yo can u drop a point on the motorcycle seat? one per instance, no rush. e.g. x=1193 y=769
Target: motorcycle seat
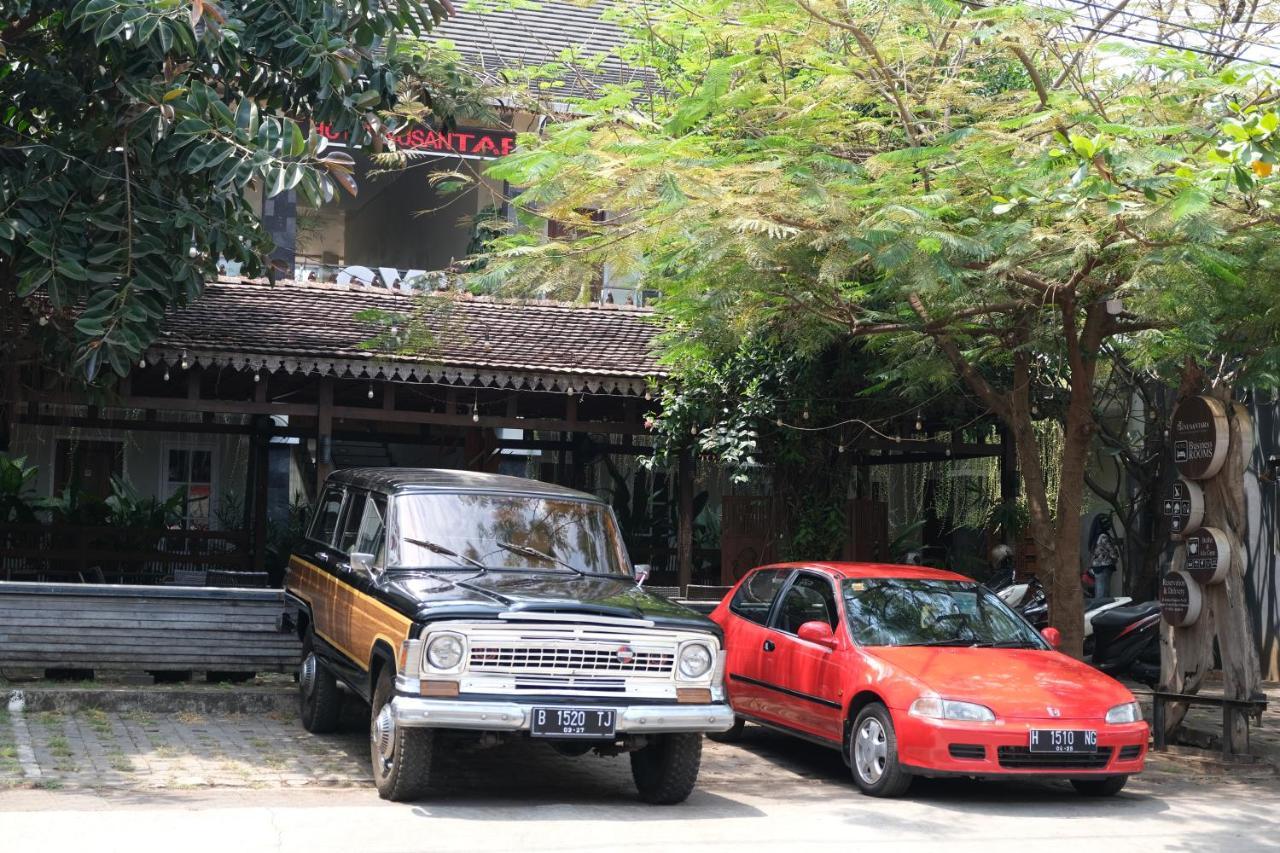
x=1119 y=616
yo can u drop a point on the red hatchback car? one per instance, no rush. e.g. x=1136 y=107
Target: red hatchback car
x=910 y=671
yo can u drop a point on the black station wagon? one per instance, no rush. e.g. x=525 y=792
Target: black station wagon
x=474 y=605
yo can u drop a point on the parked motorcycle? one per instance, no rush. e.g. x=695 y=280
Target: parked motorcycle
x=1126 y=641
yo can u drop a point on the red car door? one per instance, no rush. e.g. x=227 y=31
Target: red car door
x=807 y=677
x=745 y=636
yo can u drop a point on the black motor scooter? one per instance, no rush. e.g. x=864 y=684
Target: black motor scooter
x=1126 y=641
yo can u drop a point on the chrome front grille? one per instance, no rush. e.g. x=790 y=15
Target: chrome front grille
x=564 y=658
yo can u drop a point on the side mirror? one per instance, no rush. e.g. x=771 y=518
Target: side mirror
x=642 y=573
x=819 y=633
x=1053 y=637
x=363 y=563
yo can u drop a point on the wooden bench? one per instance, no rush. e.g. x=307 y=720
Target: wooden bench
x=1231 y=709
x=144 y=628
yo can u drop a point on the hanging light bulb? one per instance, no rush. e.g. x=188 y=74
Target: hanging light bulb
x=370 y=390
x=919 y=422
x=1035 y=410
x=840 y=449
x=166 y=374
x=693 y=430
x=184 y=360
x=805 y=413
x=142 y=362
x=648 y=395
x=475 y=417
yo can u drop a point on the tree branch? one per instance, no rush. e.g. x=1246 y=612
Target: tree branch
x=996 y=402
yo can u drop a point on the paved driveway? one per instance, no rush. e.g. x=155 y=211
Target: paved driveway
x=246 y=783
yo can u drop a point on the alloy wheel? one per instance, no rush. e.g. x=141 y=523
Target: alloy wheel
x=870 y=750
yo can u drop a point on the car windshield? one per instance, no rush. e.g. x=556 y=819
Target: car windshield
x=513 y=532
x=910 y=612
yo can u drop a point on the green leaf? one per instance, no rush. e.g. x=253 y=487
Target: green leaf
x=1190 y=200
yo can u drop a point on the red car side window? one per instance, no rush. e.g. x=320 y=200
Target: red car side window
x=754 y=598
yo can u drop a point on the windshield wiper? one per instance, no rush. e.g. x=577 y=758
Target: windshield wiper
x=1014 y=644
x=435 y=548
x=528 y=551
x=953 y=641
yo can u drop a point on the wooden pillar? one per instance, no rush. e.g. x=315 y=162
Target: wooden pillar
x=261 y=471
x=684 y=531
x=324 y=434
x=1008 y=468
x=10 y=400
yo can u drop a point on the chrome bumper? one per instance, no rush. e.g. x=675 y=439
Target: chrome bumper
x=514 y=716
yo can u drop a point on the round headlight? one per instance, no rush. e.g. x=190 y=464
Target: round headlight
x=695 y=660
x=444 y=652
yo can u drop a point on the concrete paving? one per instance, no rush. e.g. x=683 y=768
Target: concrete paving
x=124 y=778
x=771 y=792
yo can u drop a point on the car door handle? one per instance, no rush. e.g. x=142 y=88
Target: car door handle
x=769 y=646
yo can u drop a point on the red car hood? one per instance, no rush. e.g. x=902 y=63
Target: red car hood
x=1014 y=683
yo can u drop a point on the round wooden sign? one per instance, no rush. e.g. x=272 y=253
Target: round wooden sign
x=1180 y=599
x=1183 y=505
x=1200 y=437
x=1208 y=555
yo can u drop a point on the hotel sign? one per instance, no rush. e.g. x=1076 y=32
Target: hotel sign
x=1200 y=437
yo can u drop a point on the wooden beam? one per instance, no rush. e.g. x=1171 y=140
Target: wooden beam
x=324 y=433
x=684 y=530
x=261 y=470
x=356 y=413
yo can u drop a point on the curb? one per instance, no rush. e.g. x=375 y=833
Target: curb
x=160 y=700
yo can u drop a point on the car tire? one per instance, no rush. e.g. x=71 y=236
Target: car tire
x=319 y=699
x=666 y=770
x=1108 y=786
x=733 y=735
x=873 y=754
x=402 y=758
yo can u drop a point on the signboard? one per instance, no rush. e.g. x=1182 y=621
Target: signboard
x=1200 y=437
x=1208 y=555
x=467 y=142
x=1183 y=505
x=1180 y=599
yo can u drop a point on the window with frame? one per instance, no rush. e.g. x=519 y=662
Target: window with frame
x=810 y=599
x=369 y=538
x=325 y=522
x=190 y=470
x=754 y=598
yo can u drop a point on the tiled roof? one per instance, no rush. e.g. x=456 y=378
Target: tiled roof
x=492 y=39
x=307 y=326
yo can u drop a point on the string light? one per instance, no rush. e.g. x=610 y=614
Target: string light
x=370 y=390
x=166 y=374
x=475 y=416
x=184 y=360
x=919 y=422
x=805 y=414
x=142 y=362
